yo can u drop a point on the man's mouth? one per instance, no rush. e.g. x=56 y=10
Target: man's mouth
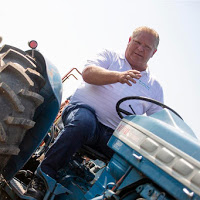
x=138 y=54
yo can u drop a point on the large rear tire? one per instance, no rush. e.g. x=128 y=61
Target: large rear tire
x=20 y=83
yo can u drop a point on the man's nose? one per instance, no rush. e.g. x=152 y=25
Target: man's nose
x=141 y=48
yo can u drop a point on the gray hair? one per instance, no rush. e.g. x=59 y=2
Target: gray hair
x=148 y=30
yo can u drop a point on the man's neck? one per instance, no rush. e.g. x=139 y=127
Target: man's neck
x=139 y=68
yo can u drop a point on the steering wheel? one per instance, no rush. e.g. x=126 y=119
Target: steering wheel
x=120 y=110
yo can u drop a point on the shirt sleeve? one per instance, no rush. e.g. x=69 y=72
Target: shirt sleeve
x=101 y=59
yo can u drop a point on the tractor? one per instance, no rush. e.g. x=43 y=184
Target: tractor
x=156 y=156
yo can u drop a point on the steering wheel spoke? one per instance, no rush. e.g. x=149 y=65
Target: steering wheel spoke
x=125 y=112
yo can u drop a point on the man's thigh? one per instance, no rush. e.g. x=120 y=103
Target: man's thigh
x=82 y=121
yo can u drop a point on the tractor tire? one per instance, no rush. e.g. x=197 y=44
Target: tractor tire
x=20 y=83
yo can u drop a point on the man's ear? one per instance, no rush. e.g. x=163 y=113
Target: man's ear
x=154 y=52
x=129 y=39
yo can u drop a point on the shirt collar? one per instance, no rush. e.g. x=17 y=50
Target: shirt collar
x=122 y=56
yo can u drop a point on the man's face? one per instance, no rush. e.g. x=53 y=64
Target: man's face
x=140 y=49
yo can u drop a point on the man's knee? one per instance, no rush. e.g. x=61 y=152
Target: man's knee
x=80 y=114
x=81 y=120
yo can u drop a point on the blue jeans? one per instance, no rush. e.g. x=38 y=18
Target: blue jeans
x=80 y=127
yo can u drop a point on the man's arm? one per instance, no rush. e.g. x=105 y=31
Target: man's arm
x=99 y=76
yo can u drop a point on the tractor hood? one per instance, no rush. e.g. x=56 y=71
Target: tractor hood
x=164 y=141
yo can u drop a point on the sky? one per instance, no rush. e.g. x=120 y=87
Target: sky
x=68 y=32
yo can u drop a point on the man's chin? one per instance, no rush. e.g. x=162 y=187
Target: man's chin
x=140 y=66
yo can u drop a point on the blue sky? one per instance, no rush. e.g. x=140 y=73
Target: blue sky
x=69 y=31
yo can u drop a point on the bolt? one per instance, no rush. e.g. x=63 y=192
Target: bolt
x=139 y=189
x=150 y=192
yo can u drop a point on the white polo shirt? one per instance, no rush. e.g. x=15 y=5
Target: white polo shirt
x=103 y=98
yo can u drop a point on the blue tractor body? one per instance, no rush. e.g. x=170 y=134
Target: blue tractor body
x=155 y=148
x=152 y=154
x=159 y=148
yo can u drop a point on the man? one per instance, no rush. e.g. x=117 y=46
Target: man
x=91 y=117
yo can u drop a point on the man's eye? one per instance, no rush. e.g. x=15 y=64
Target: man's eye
x=136 y=42
x=147 y=48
